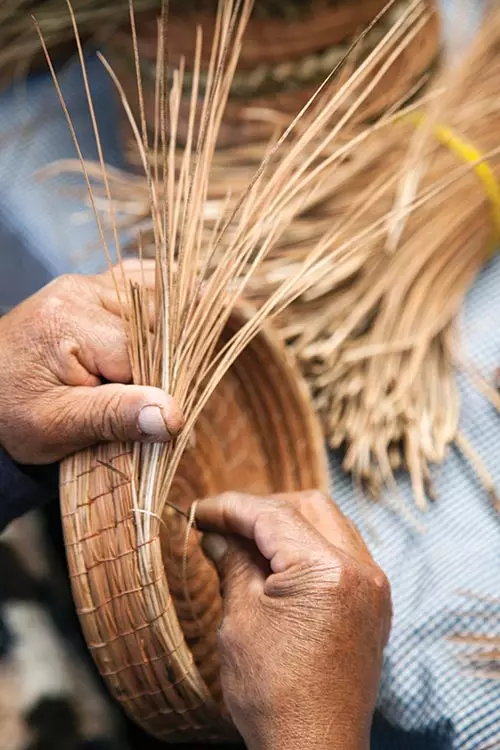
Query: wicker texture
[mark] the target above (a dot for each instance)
(282, 62)
(258, 433)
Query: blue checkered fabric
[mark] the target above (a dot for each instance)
(434, 561)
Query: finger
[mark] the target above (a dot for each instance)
(98, 348)
(282, 535)
(117, 301)
(86, 416)
(328, 520)
(132, 270)
(111, 289)
(242, 569)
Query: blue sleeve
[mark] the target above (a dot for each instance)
(23, 488)
(385, 736)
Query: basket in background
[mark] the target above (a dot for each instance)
(286, 54)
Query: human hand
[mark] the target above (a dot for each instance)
(307, 615)
(56, 349)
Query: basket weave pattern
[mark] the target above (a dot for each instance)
(281, 63)
(258, 434)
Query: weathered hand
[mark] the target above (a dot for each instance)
(307, 615)
(56, 350)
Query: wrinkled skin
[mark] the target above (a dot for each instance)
(57, 348)
(307, 615)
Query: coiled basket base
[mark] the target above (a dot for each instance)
(150, 607)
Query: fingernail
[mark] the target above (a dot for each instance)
(152, 423)
(215, 546)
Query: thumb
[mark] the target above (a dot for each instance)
(116, 412)
(240, 566)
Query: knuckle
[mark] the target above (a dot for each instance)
(68, 281)
(109, 418)
(50, 307)
(63, 288)
(277, 504)
(229, 498)
(53, 302)
(229, 502)
(316, 496)
(367, 580)
(351, 576)
(229, 636)
(381, 585)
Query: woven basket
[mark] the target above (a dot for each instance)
(282, 60)
(259, 434)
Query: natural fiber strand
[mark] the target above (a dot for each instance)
(481, 653)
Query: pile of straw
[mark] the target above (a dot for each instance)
(377, 338)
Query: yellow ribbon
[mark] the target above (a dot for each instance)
(471, 155)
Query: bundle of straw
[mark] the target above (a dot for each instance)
(377, 338)
(232, 168)
(20, 46)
